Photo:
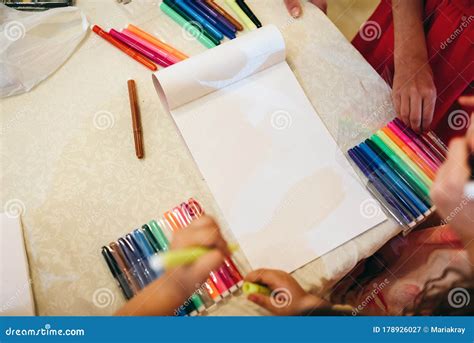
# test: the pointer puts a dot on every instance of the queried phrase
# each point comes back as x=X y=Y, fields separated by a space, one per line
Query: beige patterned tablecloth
x=67 y=153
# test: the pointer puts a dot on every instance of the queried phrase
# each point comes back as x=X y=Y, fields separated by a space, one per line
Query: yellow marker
x=249 y=24
x=176 y=258
x=251 y=288
x=405 y=158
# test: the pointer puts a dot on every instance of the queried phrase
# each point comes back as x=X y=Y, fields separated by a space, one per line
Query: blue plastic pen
x=222 y=23
x=397 y=181
x=402 y=214
x=388 y=182
x=198 y=18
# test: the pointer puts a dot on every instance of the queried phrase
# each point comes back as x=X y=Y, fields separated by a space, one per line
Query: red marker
x=130 y=52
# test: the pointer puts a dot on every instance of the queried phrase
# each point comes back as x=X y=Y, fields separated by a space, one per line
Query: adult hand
x=288 y=297
x=414 y=93
x=295 y=9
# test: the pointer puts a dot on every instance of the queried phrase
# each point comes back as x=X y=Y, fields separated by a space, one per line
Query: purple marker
x=217 y=16
x=397 y=209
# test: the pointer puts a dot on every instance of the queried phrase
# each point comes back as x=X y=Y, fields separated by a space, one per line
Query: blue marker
x=132 y=262
x=396 y=180
x=206 y=13
x=388 y=182
x=201 y=20
x=141 y=258
x=401 y=213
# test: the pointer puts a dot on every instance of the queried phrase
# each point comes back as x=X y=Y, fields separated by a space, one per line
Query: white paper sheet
x=288 y=193
x=16 y=297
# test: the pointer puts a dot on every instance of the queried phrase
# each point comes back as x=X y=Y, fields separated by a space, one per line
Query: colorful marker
x=405 y=158
x=190 y=11
x=252 y=288
x=249 y=12
x=241 y=14
x=117 y=273
x=129 y=51
x=139 y=48
x=204 y=13
x=118 y=256
x=395 y=207
x=156 y=42
x=216 y=15
x=409 y=152
x=398 y=166
x=388 y=183
x=165 y=55
x=207 y=42
x=397 y=182
x=225 y=14
x=434 y=167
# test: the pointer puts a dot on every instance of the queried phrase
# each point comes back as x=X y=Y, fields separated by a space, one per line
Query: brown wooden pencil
x=136 y=120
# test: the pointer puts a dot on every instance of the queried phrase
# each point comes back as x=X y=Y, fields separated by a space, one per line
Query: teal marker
x=187 y=26
x=159 y=235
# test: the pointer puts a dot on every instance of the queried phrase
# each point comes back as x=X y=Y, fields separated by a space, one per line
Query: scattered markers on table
x=141 y=256
x=400 y=166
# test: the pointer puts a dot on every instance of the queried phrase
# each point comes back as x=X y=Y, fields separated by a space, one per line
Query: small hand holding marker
x=279 y=293
x=185 y=269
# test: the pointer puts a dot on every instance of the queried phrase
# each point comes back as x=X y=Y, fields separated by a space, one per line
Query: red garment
x=449 y=29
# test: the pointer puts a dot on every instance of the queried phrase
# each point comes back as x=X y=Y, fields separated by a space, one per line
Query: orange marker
x=155 y=41
x=407 y=150
x=129 y=51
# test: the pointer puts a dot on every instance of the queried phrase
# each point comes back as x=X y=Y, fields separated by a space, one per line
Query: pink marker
x=163 y=53
x=138 y=47
x=412 y=145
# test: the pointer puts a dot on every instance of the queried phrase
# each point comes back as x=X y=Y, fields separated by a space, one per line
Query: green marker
x=187 y=26
x=159 y=235
x=398 y=165
x=251 y=288
x=176 y=258
x=421 y=175
x=151 y=238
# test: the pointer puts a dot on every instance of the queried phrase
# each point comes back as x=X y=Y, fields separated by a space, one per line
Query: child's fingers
x=199 y=270
x=467 y=100
x=294 y=8
x=428 y=112
x=269 y=277
x=415 y=112
x=470 y=134
x=263 y=301
x=452 y=176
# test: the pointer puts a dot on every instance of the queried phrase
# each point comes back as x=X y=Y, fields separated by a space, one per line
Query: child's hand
x=414 y=94
x=287 y=298
x=202 y=232
x=164 y=295
x=295 y=9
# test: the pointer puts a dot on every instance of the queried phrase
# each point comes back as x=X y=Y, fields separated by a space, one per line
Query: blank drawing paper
x=286 y=190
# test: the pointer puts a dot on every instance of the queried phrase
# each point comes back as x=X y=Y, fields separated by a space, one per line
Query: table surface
x=81 y=185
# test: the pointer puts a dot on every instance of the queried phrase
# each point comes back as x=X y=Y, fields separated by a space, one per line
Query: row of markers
x=205 y=20
x=128 y=260
x=400 y=166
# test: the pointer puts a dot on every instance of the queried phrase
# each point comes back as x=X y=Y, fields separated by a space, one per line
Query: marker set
x=202 y=19
x=129 y=259
x=207 y=21
x=400 y=166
